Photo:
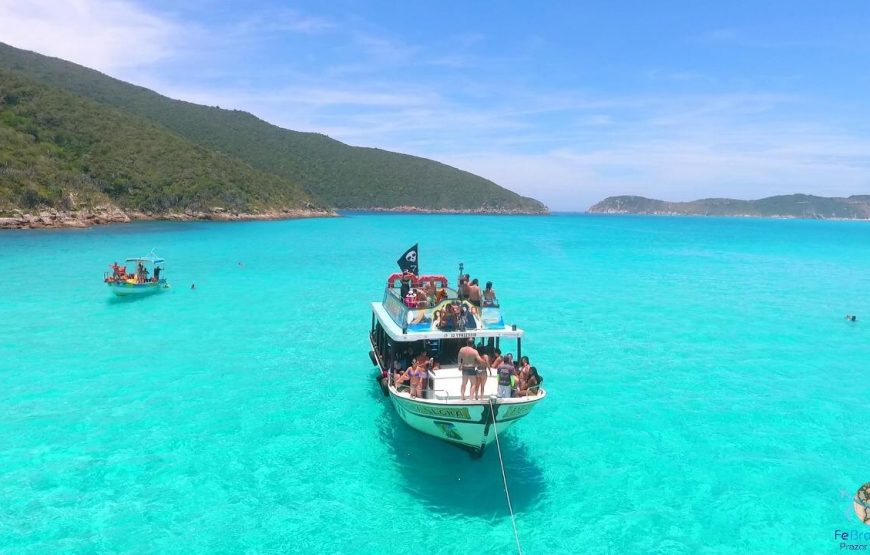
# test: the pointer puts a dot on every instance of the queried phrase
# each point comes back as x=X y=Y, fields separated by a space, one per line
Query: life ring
x=391 y=281
x=438 y=280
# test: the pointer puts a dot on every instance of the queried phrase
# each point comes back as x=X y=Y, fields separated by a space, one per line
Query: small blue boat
x=139 y=276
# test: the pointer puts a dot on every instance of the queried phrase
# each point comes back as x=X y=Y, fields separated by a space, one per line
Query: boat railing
x=451 y=295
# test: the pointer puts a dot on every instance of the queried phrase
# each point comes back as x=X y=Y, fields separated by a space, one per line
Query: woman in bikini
x=523 y=374
x=482 y=373
x=533 y=385
x=488 y=294
x=417 y=376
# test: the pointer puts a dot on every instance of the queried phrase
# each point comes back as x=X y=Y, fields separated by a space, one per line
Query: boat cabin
x=428 y=316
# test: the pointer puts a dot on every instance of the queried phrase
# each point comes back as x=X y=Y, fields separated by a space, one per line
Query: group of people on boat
x=417 y=374
x=425 y=295
x=514 y=380
x=428 y=295
x=119 y=273
x=469 y=289
x=475 y=363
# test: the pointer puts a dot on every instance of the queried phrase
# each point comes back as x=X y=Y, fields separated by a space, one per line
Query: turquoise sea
x=706 y=394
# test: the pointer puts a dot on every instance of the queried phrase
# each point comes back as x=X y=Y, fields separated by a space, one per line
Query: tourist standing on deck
x=496 y=358
x=469 y=359
x=505 y=371
x=474 y=293
x=417 y=376
x=478 y=385
x=405 y=284
x=462 y=289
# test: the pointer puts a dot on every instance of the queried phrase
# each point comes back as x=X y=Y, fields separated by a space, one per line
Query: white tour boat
x=403 y=327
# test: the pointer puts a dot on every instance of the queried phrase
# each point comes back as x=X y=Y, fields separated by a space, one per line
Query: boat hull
x=124 y=289
x=470 y=425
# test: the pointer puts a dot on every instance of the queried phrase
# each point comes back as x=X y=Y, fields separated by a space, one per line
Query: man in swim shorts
x=469 y=359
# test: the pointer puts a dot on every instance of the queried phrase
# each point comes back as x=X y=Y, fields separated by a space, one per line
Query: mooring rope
x=504 y=479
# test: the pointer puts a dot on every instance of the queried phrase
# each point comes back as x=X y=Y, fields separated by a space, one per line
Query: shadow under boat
x=449 y=480
x=122 y=299
x=114 y=299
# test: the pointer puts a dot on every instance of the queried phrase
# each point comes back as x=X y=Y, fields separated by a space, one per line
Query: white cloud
x=770 y=163
x=105 y=35
x=282 y=21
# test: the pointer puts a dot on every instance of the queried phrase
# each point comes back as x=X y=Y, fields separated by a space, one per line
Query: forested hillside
x=341 y=176
x=59 y=150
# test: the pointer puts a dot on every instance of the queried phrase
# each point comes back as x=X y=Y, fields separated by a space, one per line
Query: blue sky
x=568 y=102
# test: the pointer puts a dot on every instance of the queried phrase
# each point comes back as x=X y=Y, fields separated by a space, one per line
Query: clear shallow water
x=706 y=394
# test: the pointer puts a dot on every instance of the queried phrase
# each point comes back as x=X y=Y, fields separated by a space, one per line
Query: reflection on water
x=448 y=479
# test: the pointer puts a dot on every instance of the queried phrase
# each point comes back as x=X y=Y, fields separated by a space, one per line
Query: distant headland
x=856 y=207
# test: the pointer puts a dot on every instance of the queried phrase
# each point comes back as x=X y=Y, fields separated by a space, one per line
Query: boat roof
x=398 y=333
x=151 y=259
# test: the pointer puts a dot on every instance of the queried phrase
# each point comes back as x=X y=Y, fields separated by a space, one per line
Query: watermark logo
x=862 y=503
x=854 y=539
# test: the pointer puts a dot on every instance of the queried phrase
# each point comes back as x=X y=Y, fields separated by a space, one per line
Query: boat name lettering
x=449 y=412
x=521 y=410
x=459 y=334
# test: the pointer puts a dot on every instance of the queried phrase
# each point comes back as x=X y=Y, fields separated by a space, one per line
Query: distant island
x=856 y=207
x=79 y=148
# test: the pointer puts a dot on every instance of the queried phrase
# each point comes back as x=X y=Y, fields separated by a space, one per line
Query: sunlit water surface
x=706 y=394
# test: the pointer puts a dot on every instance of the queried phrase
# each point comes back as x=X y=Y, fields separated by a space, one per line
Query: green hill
x=856 y=207
x=59 y=150
x=341 y=176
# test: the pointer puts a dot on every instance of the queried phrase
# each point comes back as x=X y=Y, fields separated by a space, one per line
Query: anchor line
x=504 y=479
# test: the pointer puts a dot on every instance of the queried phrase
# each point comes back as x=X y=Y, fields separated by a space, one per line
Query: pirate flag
x=408 y=261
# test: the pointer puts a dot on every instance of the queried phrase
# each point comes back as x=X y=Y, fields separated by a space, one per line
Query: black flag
x=408 y=261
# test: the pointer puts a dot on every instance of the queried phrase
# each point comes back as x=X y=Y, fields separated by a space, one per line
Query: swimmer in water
x=193 y=286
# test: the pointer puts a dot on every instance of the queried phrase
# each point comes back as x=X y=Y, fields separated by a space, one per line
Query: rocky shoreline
x=479 y=211
x=51 y=218
x=101 y=215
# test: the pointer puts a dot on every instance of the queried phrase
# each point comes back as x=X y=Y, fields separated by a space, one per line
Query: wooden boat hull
x=125 y=289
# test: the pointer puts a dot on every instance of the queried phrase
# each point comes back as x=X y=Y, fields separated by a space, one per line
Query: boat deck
x=447 y=381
